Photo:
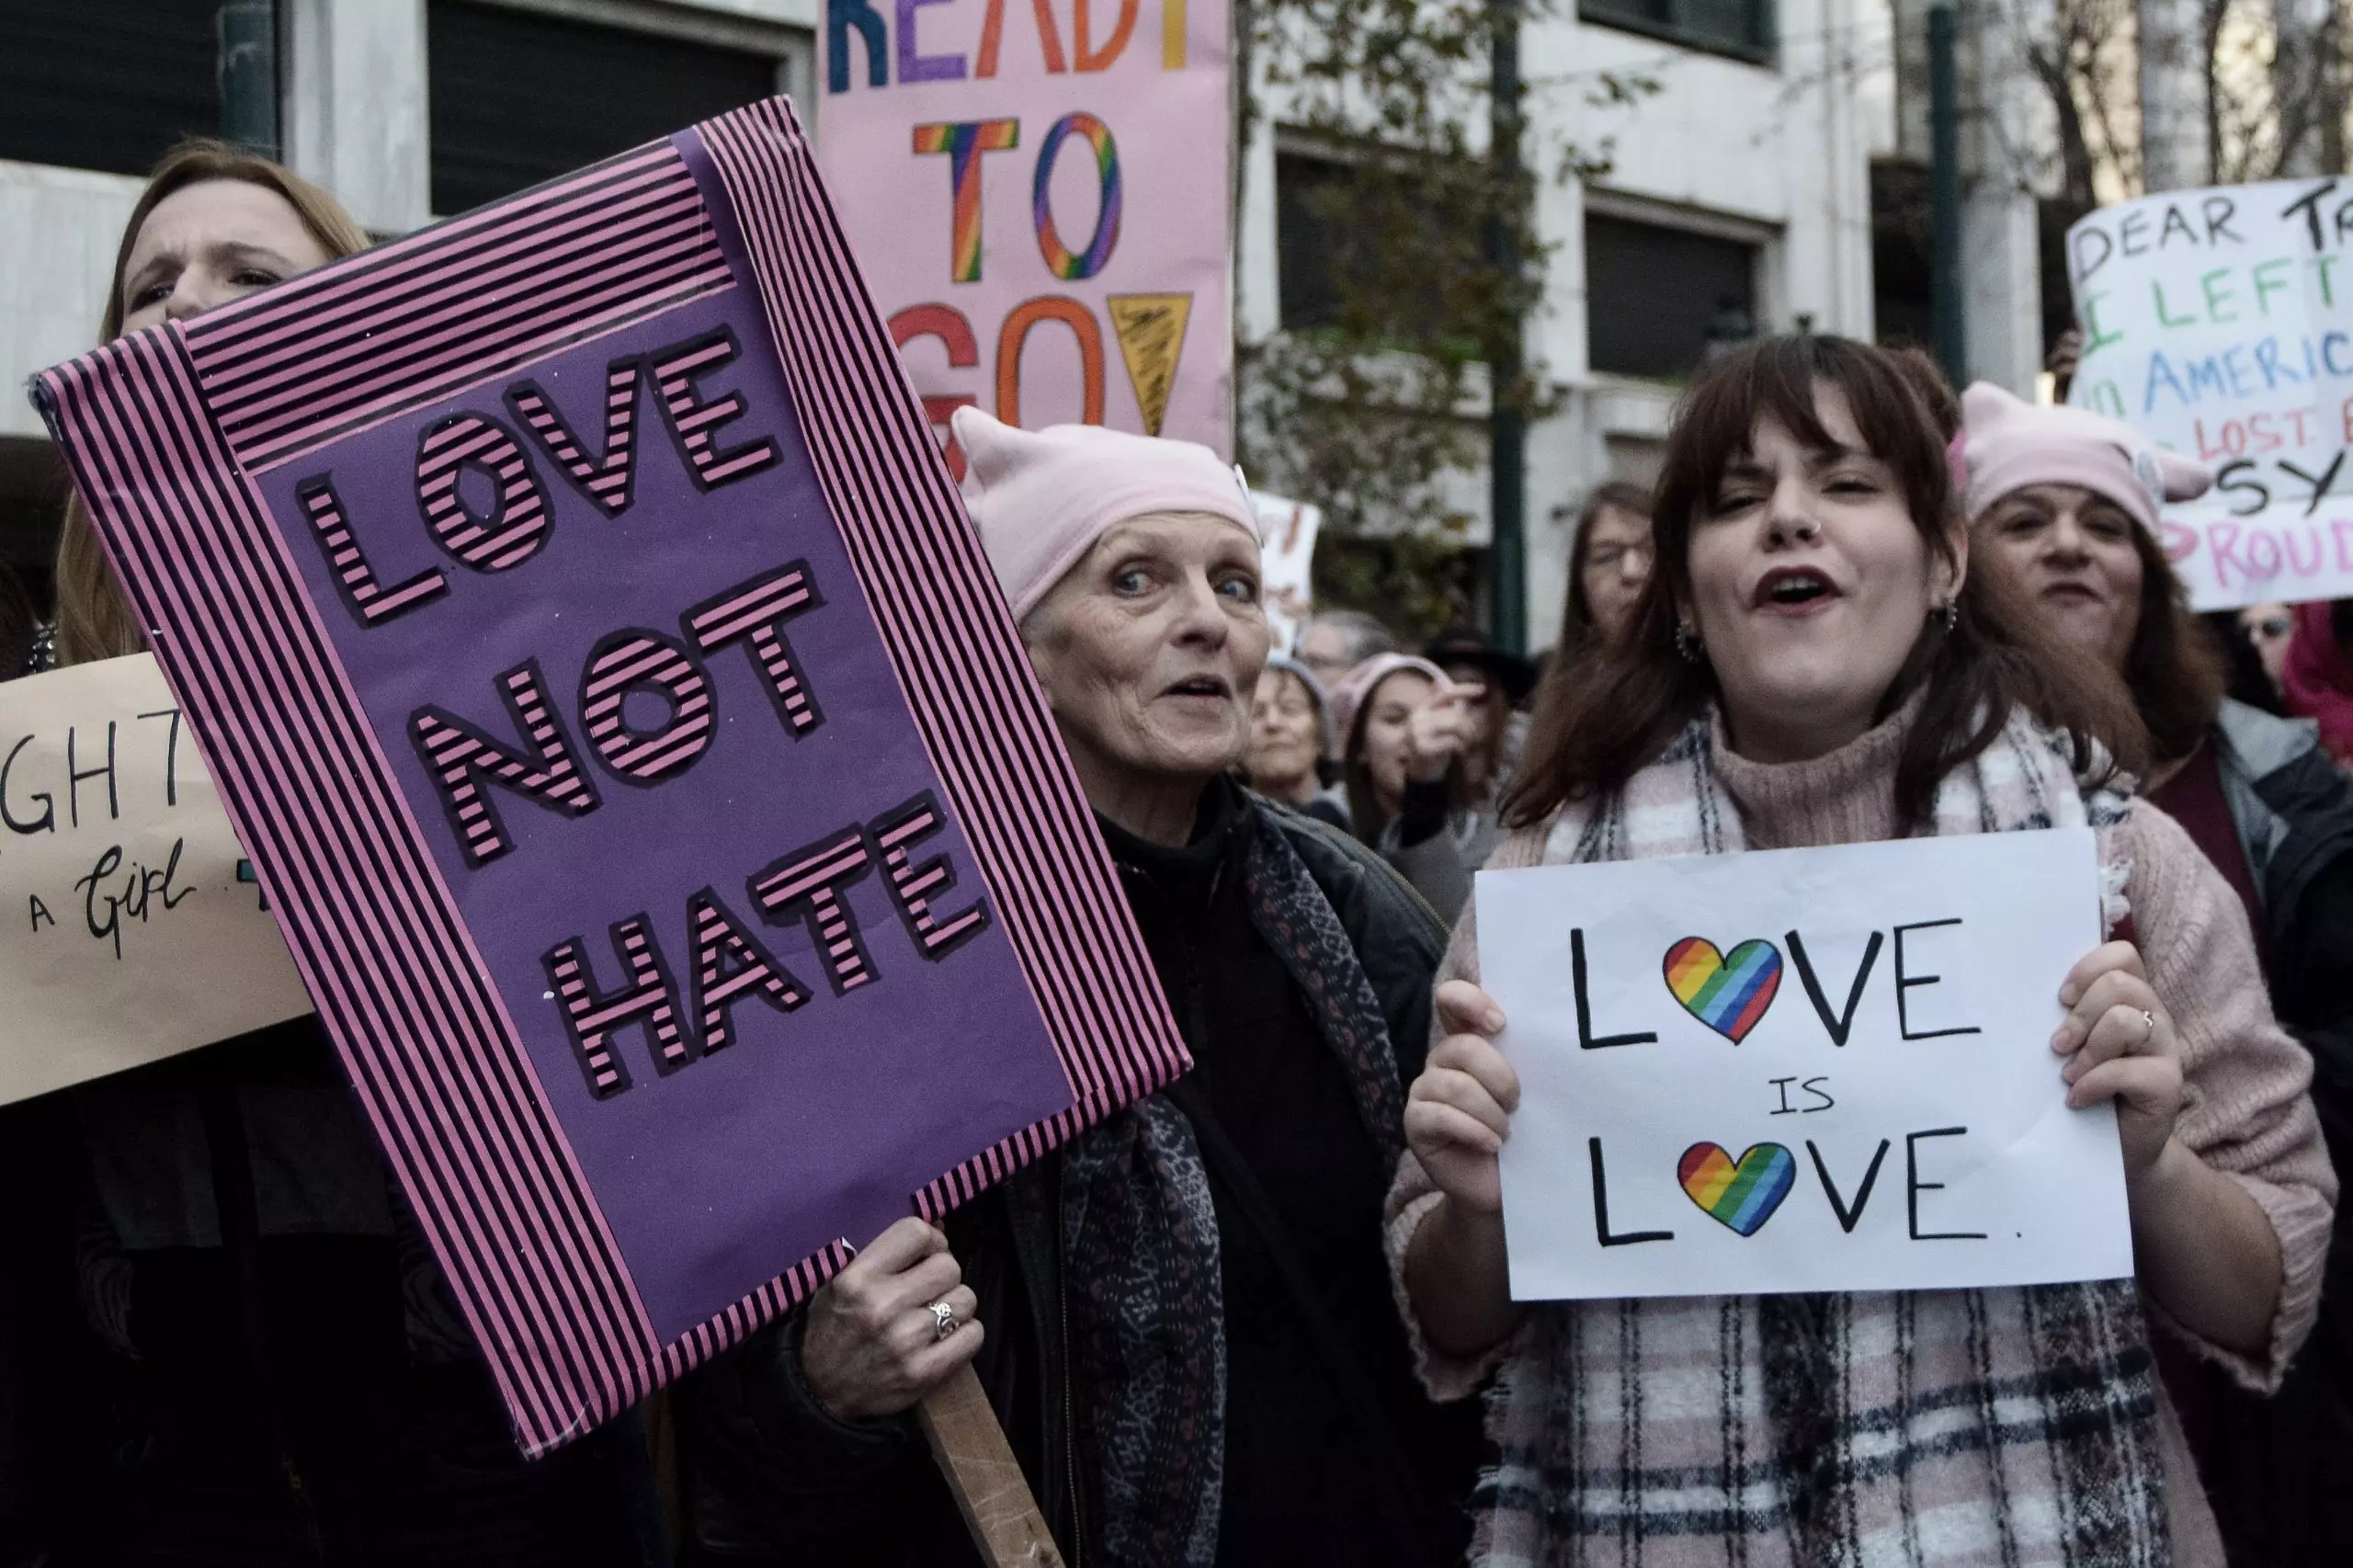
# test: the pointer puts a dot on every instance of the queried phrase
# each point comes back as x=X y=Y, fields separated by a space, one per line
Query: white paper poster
x=2220 y=323
x=1286 y=562
x=1801 y=1070
x=132 y=927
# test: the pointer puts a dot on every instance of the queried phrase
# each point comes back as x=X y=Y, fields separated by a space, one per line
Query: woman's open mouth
x=1207 y=687
x=1794 y=590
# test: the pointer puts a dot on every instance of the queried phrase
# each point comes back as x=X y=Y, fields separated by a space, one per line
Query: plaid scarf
x=1996 y=1428
x=1140 y=1243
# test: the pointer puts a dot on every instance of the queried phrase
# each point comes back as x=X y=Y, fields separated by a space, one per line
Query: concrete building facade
x=1737 y=198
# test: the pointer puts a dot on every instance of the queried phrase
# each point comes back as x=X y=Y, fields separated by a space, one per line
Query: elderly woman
x=2066 y=503
x=1182 y=1316
x=1815 y=663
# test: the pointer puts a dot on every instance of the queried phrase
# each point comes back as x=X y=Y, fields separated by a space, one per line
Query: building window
x=1312 y=241
x=519 y=98
x=1333 y=256
x=105 y=85
x=1739 y=27
x=1658 y=299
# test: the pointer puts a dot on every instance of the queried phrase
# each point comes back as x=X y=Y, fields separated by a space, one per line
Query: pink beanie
x=1042 y=498
x=2006 y=444
x=1353 y=690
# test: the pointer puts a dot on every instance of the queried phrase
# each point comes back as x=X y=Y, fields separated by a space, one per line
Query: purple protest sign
x=595 y=657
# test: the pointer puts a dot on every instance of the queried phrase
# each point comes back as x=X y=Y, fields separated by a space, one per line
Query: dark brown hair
x=94 y=620
x=2176 y=669
x=1634 y=697
x=1928 y=378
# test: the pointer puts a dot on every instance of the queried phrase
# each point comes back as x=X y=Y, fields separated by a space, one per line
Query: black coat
x=222 y=1339
x=2280 y=1470
x=776 y=1480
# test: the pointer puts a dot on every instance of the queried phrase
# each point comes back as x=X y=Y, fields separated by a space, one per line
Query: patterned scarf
x=1140 y=1244
x=2005 y=1426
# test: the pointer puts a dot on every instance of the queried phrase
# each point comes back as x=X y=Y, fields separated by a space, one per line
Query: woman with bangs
x=1813 y=662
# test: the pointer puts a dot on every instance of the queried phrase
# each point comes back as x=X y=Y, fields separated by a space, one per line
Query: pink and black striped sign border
x=467 y=1127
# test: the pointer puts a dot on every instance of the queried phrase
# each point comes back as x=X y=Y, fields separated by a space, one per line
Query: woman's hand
x=1459 y=1112
x=872 y=1347
x=2120 y=1046
x=1441 y=729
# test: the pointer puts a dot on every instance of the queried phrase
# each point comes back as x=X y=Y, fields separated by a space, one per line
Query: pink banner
x=1039 y=195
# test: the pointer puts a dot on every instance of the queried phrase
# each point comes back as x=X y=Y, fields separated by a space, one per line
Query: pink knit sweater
x=2247 y=1113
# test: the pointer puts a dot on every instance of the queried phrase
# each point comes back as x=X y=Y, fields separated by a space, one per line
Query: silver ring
x=943 y=1321
x=2151 y=1032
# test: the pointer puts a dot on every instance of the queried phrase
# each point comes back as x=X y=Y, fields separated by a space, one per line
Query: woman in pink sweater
x=1813 y=663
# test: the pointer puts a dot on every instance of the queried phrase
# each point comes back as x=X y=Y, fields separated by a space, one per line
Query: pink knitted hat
x=1042 y=498
x=2006 y=444
x=1353 y=690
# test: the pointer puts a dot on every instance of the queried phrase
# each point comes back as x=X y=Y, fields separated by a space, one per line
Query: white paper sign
x=2220 y=323
x=1801 y=1070
x=1287 y=556
x=132 y=927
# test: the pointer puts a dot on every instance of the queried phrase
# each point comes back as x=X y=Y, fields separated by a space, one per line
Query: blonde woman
x=278 y=1375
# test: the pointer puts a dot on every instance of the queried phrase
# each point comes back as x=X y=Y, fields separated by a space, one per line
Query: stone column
x=2177 y=92
x=2002 y=123
x=356 y=102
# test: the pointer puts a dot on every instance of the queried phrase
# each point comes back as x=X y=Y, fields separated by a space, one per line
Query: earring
x=1947 y=615
x=1688 y=644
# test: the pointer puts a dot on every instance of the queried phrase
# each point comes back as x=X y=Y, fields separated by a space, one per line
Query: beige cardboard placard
x=131 y=927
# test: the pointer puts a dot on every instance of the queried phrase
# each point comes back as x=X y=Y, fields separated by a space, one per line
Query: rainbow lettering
x=964 y=142
x=1059 y=261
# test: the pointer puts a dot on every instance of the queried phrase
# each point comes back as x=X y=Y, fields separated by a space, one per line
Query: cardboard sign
x=595 y=656
x=2220 y=323
x=1040 y=195
x=1286 y=565
x=1801 y=1070
x=132 y=925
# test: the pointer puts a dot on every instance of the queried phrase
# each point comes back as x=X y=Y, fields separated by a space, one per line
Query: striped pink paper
x=560 y=367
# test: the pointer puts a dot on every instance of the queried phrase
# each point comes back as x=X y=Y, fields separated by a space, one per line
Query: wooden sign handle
x=990 y=1492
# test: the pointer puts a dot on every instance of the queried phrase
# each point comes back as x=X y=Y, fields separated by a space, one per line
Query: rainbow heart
x=1729 y=992
x=1742 y=1194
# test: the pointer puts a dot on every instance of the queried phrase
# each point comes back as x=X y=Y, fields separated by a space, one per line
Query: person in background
x=1338 y=641
x=1181 y=1315
x=2066 y=503
x=1498 y=731
x=276 y=1371
x=2317 y=674
x=1610 y=559
x=1818 y=661
x=2268 y=628
x=1290 y=726
x=1412 y=738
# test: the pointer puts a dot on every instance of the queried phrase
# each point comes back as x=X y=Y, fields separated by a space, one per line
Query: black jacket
x=776 y=1480
x=222 y=1340
x=2280 y=1470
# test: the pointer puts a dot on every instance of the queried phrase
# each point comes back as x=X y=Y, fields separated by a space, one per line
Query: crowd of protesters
x=1262 y=1317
